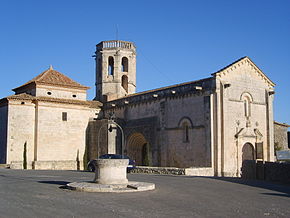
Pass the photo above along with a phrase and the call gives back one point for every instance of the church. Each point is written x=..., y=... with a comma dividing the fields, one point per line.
x=208, y=126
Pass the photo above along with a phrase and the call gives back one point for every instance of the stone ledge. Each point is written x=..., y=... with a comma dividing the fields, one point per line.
x=4, y=166
x=117, y=188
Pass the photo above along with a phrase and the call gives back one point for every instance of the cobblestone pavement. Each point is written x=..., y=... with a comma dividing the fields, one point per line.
x=27, y=193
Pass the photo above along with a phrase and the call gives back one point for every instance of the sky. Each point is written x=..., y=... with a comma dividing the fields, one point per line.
x=177, y=40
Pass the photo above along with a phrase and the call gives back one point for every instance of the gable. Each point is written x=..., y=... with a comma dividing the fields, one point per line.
x=245, y=70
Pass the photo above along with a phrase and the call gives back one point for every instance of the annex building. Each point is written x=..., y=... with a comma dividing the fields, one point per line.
x=209, y=125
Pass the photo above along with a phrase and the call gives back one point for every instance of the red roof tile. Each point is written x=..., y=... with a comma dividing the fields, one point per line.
x=54, y=78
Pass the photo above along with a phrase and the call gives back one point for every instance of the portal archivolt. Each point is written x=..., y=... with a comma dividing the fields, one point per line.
x=138, y=149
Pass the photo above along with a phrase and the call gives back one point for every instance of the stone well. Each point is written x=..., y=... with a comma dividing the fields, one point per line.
x=111, y=176
x=111, y=171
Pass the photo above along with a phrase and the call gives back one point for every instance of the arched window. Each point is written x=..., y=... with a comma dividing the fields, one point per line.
x=247, y=99
x=111, y=66
x=247, y=107
x=185, y=129
x=125, y=82
x=185, y=125
x=125, y=64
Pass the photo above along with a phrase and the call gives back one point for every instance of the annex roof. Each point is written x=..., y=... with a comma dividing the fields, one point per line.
x=53, y=78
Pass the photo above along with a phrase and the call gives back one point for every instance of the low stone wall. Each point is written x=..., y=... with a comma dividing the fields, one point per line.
x=159, y=170
x=19, y=165
x=269, y=171
x=199, y=171
x=47, y=165
x=56, y=165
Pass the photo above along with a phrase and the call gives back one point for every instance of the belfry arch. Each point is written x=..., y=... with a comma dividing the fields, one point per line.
x=125, y=82
x=138, y=148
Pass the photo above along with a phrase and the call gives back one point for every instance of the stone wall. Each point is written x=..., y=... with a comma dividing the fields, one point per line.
x=60, y=92
x=158, y=116
x=21, y=120
x=49, y=138
x=280, y=136
x=62, y=140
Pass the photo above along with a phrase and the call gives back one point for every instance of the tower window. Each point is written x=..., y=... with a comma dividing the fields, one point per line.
x=125, y=64
x=48, y=93
x=64, y=116
x=111, y=66
x=125, y=82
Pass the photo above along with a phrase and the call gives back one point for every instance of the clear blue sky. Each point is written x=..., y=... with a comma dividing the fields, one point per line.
x=177, y=40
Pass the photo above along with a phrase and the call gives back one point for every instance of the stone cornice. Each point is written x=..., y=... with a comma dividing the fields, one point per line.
x=23, y=97
x=199, y=88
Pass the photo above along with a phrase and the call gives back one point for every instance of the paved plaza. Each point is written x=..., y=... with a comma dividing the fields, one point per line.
x=27, y=193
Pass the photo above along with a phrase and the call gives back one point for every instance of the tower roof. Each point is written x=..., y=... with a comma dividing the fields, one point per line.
x=53, y=78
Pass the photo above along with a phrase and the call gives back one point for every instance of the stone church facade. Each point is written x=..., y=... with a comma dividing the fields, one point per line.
x=209, y=126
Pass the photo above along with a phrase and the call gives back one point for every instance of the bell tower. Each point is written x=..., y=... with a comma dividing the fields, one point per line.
x=115, y=69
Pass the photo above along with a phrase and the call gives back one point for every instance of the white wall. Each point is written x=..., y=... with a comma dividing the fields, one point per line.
x=63, y=93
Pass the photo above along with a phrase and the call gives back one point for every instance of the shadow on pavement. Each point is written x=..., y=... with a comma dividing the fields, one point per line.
x=278, y=187
x=55, y=182
x=276, y=194
x=61, y=183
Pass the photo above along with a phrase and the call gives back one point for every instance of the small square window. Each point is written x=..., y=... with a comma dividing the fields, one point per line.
x=64, y=116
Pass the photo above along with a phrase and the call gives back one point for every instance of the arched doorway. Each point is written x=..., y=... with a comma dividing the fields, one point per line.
x=138, y=149
x=248, y=164
x=248, y=152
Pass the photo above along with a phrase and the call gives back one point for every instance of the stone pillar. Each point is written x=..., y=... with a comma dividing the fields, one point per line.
x=112, y=139
x=270, y=156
